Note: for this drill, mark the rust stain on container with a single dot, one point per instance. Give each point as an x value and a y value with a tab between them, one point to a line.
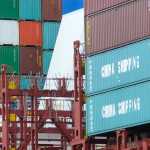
30	33
119	26
51	10
92	6
30	60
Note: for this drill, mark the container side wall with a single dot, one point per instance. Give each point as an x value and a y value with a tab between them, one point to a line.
117	68
123	108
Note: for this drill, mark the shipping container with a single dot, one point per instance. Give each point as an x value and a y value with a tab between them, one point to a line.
25	82
30	60
119	67
9	32
118	26
98	5
51	10
30	33
13	82
14	105
9	55
9	9
30	9
47	55
118	109
50	32
41	82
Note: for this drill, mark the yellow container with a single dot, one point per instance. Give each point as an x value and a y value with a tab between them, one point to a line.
13	98
12	85
12	117
12	148
29	113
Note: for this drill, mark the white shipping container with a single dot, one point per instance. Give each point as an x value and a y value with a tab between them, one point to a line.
9	32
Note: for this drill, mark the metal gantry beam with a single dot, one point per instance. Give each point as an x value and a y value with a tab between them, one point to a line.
29	122
37	118
79	142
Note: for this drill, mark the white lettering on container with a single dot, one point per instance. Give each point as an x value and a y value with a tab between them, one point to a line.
107	70
122	66
121	108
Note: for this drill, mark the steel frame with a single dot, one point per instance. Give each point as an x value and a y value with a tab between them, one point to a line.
38	118
29	128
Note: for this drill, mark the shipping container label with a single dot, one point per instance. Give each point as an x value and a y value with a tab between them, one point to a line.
126	107
121	108
122	66
117	68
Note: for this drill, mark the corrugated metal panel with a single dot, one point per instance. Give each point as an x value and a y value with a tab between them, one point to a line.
51	10
118	26
122	108
119	67
50	32
30	33
9	55
30	9
92	6
47	55
9	32
71	5
9	9
30	60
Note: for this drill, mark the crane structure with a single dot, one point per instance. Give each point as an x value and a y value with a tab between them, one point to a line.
21	126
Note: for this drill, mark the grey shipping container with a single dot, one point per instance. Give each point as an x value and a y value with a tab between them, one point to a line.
92	6
30	60
118	26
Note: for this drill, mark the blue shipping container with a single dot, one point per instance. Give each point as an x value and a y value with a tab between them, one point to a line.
30	9
50	32
120	67
123	108
26	82
47	56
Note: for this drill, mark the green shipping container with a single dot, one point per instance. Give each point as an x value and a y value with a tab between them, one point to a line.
118	68
9	9
47	56
9	55
123	108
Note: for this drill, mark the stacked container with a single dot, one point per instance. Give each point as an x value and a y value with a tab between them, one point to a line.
28	30
51	17
117	49
30	33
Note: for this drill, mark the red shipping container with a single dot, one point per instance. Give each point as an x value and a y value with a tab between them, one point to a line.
51	10
30	33
30	60
117	27
92	6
